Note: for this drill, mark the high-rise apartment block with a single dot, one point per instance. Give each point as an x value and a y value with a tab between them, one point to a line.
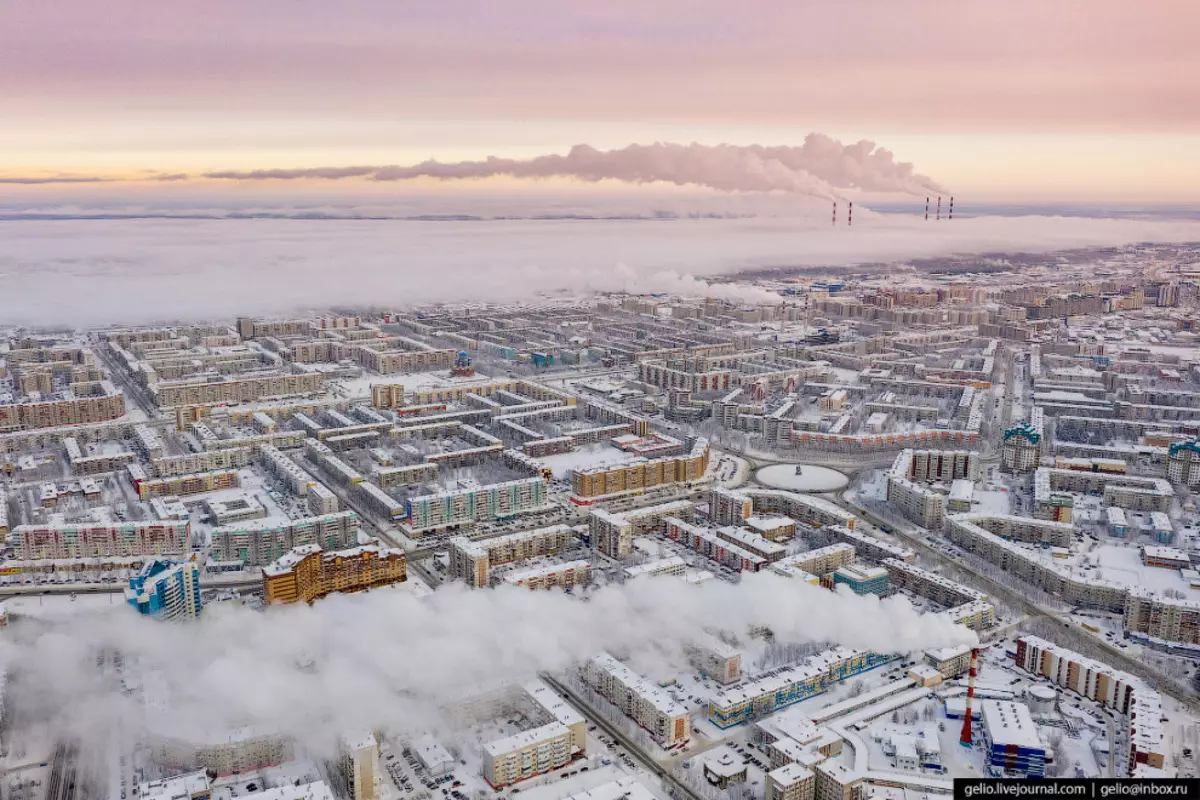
1183	462
166	590
1021	450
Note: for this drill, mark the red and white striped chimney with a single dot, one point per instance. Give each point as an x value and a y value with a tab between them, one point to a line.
965	738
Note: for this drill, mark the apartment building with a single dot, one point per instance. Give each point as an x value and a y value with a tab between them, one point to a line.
472	562
791	782
179	485
613	534
814	511
1120	691
1021	450
929	585
588	485
166	537
468	506
567	575
306	574
168	394
321	500
90	402
786	686
715	659
259	542
987	536
709	544
560	737
287	471
869	548
671	565
166	590
1125	491
914	502
208	461
862	580
359	757
647	704
821	561
111	461
1166	618
1183	462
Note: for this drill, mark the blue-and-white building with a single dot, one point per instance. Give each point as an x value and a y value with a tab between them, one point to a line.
166	589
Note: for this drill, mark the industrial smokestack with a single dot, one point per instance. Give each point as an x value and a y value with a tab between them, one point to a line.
927	209
965	738
850	215
939	209
951	214
835	213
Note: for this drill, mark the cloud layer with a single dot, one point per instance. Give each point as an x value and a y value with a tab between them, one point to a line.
84	271
390	659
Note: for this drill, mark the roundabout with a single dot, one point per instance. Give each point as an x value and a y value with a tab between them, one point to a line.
801	478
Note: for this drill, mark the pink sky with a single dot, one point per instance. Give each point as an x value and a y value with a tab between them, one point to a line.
1058	99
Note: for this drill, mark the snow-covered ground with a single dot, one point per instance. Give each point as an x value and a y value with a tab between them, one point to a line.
801	478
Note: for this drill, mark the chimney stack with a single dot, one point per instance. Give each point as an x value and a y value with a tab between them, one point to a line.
965	738
850	215
939	209
927	209
835	213
951	215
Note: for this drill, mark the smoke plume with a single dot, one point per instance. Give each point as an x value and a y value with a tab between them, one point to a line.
822	167
391	659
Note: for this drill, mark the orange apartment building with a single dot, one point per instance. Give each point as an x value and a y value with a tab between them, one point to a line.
307	574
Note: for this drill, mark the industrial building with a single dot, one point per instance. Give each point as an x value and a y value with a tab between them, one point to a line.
1010	740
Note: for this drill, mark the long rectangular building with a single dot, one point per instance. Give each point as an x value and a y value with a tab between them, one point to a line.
166	537
472	561
785	686
647	704
306	573
259	542
468	506
240	390
1120	691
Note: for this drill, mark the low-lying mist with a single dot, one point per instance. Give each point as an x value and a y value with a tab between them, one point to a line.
87	272
391	659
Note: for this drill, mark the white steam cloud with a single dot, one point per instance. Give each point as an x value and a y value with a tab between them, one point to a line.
822	167
390	659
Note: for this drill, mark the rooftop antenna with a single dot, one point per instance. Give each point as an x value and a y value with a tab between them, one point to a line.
850	215
927	209
965	738
835	213
939	209
951	216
